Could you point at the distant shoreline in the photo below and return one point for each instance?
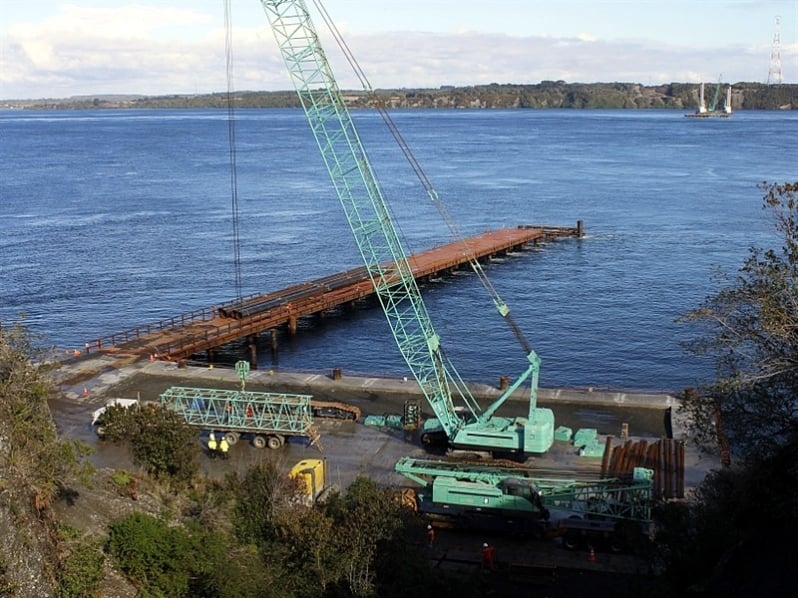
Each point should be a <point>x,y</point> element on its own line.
<point>546,94</point>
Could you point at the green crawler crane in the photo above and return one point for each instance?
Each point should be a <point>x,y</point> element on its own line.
<point>519,501</point>
<point>361,198</point>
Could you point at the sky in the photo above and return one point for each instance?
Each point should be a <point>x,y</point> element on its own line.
<point>57,49</point>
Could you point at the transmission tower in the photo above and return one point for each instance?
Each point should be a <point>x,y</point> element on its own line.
<point>774,72</point>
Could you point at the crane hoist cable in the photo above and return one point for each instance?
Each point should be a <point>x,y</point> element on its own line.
<point>231,134</point>
<point>467,250</point>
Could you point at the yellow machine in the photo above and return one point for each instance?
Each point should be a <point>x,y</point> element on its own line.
<point>310,474</point>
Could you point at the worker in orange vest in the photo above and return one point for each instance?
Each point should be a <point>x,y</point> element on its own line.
<point>487,556</point>
<point>430,536</point>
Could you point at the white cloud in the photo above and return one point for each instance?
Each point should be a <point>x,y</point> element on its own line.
<point>131,21</point>
<point>152,50</point>
<point>127,50</point>
<point>475,58</point>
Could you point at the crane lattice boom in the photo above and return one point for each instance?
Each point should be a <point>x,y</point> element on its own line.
<point>363,203</point>
<point>385,259</point>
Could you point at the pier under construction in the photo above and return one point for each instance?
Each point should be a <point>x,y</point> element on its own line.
<point>207,329</point>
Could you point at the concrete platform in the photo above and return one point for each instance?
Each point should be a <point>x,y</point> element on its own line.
<point>645,414</point>
<point>352,449</point>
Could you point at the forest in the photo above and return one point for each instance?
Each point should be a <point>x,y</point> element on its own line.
<point>546,94</point>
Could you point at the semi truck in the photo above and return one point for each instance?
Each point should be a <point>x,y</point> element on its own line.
<point>266,419</point>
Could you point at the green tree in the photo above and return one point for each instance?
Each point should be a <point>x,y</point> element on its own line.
<point>117,423</point>
<point>750,329</point>
<point>310,546</point>
<point>33,458</point>
<point>729,539</point>
<point>160,441</point>
<point>260,497</point>
<point>361,542</point>
<point>239,572</point>
<point>299,545</point>
<point>368,517</point>
<point>164,444</point>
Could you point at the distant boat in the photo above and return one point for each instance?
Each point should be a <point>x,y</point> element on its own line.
<point>712,111</point>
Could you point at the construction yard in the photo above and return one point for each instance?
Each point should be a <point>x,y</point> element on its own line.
<point>351,449</point>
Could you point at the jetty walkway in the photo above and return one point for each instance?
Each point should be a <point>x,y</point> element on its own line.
<point>207,329</point>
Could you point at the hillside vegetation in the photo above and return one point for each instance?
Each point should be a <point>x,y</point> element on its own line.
<point>547,94</point>
<point>36,468</point>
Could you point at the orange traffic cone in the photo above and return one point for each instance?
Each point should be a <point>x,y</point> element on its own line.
<point>85,392</point>
<point>591,557</point>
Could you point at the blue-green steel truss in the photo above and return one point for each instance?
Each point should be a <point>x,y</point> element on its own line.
<point>253,412</point>
<point>612,498</point>
<point>364,205</point>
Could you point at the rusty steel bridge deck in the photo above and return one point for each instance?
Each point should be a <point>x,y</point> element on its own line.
<point>206,329</point>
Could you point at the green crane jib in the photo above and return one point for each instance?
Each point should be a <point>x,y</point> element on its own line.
<point>377,239</point>
<point>268,417</point>
<point>451,488</point>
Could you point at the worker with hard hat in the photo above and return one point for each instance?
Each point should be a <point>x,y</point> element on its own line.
<point>430,536</point>
<point>212,445</point>
<point>487,556</point>
<point>223,447</point>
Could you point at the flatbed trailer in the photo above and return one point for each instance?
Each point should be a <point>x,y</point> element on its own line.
<point>268,419</point>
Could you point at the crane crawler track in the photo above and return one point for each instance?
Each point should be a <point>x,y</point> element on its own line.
<point>335,410</point>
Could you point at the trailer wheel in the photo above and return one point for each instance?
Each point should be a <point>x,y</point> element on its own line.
<point>625,535</point>
<point>259,442</point>
<point>571,540</point>
<point>231,437</point>
<point>617,543</point>
<point>274,442</point>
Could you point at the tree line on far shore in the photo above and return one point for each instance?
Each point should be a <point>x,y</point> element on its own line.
<point>546,94</point>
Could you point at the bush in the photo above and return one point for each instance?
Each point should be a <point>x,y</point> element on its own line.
<point>157,557</point>
<point>174,561</point>
<point>81,572</point>
<point>160,440</point>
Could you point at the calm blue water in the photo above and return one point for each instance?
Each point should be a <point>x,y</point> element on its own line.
<point>115,219</point>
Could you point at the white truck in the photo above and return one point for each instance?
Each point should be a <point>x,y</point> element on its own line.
<point>97,414</point>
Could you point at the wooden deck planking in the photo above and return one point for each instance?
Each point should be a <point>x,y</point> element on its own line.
<point>205,329</point>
